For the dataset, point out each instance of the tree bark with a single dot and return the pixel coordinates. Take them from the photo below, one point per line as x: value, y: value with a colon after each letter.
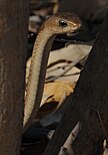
x: 90, y: 98
x: 13, y: 47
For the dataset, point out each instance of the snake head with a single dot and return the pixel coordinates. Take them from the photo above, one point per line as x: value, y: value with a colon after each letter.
x: 62, y: 23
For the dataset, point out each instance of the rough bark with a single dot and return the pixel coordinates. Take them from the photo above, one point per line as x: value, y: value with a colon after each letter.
x: 13, y: 47
x: 90, y: 96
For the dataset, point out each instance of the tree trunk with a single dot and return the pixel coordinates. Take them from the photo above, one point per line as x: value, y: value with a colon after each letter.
x: 13, y: 47
x: 89, y: 102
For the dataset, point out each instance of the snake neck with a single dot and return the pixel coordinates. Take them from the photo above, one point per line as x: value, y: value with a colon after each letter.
x: 34, y: 91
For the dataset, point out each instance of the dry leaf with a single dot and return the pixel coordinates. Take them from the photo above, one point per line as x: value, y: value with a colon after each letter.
x: 57, y: 89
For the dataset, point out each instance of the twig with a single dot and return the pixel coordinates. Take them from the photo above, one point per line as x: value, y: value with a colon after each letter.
x: 103, y: 128
x: 70, y: 66
x: 58, y: 61
x: 59, y: 67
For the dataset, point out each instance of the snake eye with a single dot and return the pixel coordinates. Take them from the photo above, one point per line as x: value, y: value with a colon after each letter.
x: 62, y: 23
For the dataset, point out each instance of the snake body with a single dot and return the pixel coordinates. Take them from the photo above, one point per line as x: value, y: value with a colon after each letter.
x: 56, y: 24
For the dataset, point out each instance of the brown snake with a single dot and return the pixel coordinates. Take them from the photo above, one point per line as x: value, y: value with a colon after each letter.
x: 57, y: 24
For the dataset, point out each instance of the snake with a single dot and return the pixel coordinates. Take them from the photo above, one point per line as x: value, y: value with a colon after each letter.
x: 60, y: 23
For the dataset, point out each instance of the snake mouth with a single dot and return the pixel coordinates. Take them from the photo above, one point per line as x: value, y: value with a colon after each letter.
x: 70, y: 34
x: 75, y: 32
